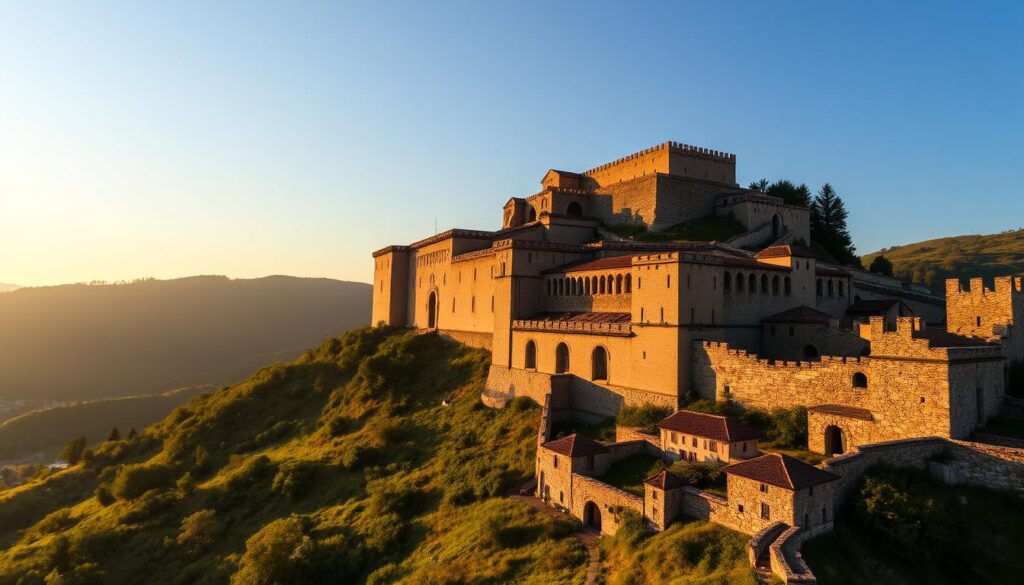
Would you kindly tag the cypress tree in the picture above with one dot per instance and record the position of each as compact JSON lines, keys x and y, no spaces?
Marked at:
{"x":115,"y":435}
{"x":828,"y":225}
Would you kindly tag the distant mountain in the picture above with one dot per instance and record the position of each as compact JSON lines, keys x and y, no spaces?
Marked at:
{"x":4,"y":287}
{"x":933,"y":261}
{"x":45,"y":431}
{"x":83,"y":342}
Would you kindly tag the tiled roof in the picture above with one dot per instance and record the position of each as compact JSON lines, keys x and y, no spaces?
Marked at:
{"x":871,"y":307}
{"x":784,"y":251}
{"x":780,"y":471}
{"x":595,"y":317}
{"x":665,"y":481}
{"x":599,"y":264}
{"x":576,"y":446}
{"x":941,"y":338}
{"x":800,"y":315}
{"x":712,"y":426}
{"x":844,"y":411}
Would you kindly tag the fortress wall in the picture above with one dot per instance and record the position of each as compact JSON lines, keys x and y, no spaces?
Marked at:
{"x":989,"y":313}
{"x":479,"y":339}
{"x":992,"y":466}
{"x":907,"y":398}
{"x":635,"y":434}
{"x":782,"y":341}
{"x":514,"y":382}
{"x":606,"y":497}
{"x":756,"y":212}
{"x":391,"y":287}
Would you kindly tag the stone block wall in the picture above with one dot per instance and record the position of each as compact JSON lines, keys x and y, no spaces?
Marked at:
{"x":471,"y":338}
{"x":784,"y":341}
{"x":623,"y":433}
{"x":606,"y":497}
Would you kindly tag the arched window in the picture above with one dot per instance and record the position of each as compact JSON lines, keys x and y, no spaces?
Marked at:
{"x":775,"y":285}
{"x":604,"y":284}
{"x":574,"y":208}
{"x":618,"y":284}
{"x":789,"y":286}
{"x":764,"y":284}
{"x":532,"y":215}
{"x":586,"y":286}
{"x":842,"y":292}
{"x":811,"y":352}
{"x":860,"y":380}
{"x":727,"y":281}
{"x":530,"y":359}
{"x":599,"y":364}
{"x":561,"y":358}
{"x":739,"y":282}
{"x":593,"y":285}
{"x":752,"y":281}
{"x":831,"y":288}
{"x":817,"y":288}
{"x":629,"y":283}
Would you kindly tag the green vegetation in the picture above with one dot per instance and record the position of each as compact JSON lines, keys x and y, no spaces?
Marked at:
{"x":644,"y":416}
{"x":830,"y":237}
{"x":705,"y":475}
{"x":343,"y":466}
{"x":901,"y":526}
{"x":790,"y":193}
{"x":931,"y":262}
{"x":881,"y":265}
{"x":714,"y":227}
{"x":685,"y":554}
{"x":602,"y":431}
{"x":630,"y":472}
{"x":785,"y":428}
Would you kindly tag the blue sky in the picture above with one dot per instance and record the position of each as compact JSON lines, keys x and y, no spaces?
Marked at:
{"x":169,"y":139}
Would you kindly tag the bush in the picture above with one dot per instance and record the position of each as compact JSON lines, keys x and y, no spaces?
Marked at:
{"x":643,"y":416}
{"x":272,"y":554}
{"x":134,"y":480}
{"x":355,"y":457}
{"x":632,"y":526}
{"x":104,"y":496}
{"x":294,"y":479}
{"x":198,"y":532}
{"x":787,"y":427}
{"x":251,"y":472}
{"x":703,"y":474}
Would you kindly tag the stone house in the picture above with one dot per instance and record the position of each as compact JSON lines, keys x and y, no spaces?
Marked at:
{"x":696,"y":436}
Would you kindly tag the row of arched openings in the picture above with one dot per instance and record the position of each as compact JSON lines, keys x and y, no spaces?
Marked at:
{"x":749,"y":283}
{"x":598,"y":360}
{"x":610,"y":284}
{"x":830,"y":286}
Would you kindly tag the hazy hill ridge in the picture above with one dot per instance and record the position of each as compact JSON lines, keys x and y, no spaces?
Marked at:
{"x":932,"y":261}
{"x":4,"y":287}
{"x":80,"y":342}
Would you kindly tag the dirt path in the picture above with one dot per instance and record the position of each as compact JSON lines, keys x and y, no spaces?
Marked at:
{"x":587,"y":538}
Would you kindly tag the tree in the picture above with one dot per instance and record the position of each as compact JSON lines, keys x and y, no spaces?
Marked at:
{"x":790,"y":193}
{"x":828,"y":225}
{"x":761,"y":185}
{"x":132,"y":434}
{"x":881,"y":265}
{"x":73,"y":451}
{"x":199,"y":531}
{"x":115,"y":435}
{"x":271,"y":555}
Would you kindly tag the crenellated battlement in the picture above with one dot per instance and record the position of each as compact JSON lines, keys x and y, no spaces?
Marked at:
{"x":670,"y":145}
{"x":753,"y":359}
{"x":1002,"y":285}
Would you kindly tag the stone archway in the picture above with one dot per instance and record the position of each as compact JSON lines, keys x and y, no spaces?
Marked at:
{"x":432,"y":311}
{"x":811,"y":352}
{"x":833,"y":440}
{"x":562,"y":358}
{"x":592,"y":516}
{"x":574,"y":208}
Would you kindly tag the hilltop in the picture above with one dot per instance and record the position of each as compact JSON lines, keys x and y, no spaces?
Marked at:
{"x":83,"y":342}
{"x":932,"y":261}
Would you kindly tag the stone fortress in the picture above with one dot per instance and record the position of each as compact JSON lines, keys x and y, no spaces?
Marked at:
{"x":583,"y":321}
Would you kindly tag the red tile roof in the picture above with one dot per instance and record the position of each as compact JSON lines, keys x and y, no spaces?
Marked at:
{"x":805,"y":315}
{"x":614,"y":262}
{"x":780,"y":471}
{"x":784,"y":251}
{"x":665,"y":481}
{"x":711,"y":426}
{"x":576,"y":446}
{"x":844,"y":411}
{"x":591,"y":317}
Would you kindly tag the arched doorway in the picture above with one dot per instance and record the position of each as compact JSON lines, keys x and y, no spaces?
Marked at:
{"x":811,"y":352}
{"x":833,"y":440}
{"x":561,"y":358}
{"x":532,"y":215}
{"x":776,"y":226}
{"x":592,"y":516}
{"x":574,"y":208}
{"x":530,"y":362}
{"x":599,"y":364}
{"x":432,"y":311}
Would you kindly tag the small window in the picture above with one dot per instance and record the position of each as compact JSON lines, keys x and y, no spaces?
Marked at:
{"x":694,"y":443}
{"x":554,"y":461}
{"x":713,"y":446}
{"x":654,"y":495}
{"x":860,"y":380}
{"x":561,"y":497}
{"x":764,"y":488}
{"x":674,"y":438}
{"x":739,"y":508}
{"x":979,"y":321}
{"x":766,"y":512}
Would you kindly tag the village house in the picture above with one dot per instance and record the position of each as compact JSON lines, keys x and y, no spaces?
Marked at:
{"x":695,"y":436}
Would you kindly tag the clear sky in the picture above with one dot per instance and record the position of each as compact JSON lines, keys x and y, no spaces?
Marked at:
{"x":253,"y":138}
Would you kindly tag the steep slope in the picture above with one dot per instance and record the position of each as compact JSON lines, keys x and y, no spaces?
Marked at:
{"x":343,"y":466}
{"x":81,"y":342}
{"x":932,"y":261}
{"x":45,"y":431}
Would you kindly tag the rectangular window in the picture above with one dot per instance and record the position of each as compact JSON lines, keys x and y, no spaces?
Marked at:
{"x":764,"y":488}
{"x":713,"y":446}
{"x":554,"y":461}
{"x":694,"y":441}
{"x":654,"y":495}
{"x":561,"y":497}
{"x":739,"y":507}
{"x":673,"y":437}
{"x":668,"y":281}
{"x":766,"y":512}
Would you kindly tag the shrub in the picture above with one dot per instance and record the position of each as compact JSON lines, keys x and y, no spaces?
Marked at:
{"x":198,"y":531}
{"x":272,"y":553}
{"x":643,"y":416}
{"x":357,"y":456}
{"x":632,"y":527}
{"x":251,"y":472}
{"x":104,"y":496}
{"x":702,"y":474}
{"x":787,"y":427}
{"x":134,"y":480}
{"x":294,"y":479}
{"x":73,"y":451}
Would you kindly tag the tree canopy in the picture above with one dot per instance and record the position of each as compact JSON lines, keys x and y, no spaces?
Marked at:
{"x":828,"y":226}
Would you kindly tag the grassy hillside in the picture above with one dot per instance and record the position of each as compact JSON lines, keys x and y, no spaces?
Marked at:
{"x":931,"y":262}
{"x":705,"y":229}
{"x":901,"y":526}
{"x":82,"y":342}
{"x":45,"y":431}
{"x":341,"y":466}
